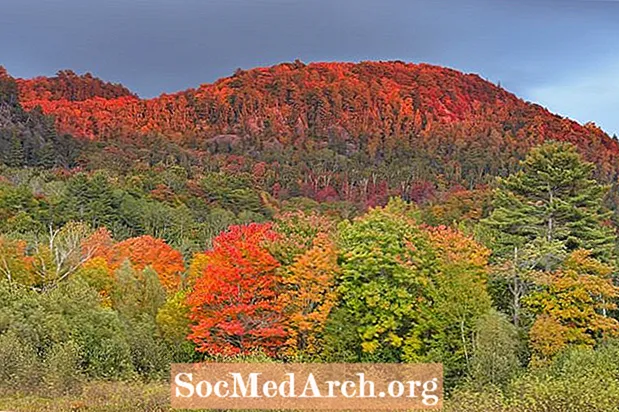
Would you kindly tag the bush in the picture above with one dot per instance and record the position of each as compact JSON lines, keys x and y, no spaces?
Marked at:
{"x":20,"y":371}
{"x":62,"y":373}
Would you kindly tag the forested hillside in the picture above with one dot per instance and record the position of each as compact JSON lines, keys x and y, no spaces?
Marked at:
{"x":372,"y":212}
{"x":437,"y":122}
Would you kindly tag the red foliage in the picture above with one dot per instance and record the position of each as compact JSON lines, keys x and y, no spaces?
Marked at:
{"x":234,"y":303}
{"x":376,"y":107}
{"x":146,"y":251}
{"x":67,"y":85}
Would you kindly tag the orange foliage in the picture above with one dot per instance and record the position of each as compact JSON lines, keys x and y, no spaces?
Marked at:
{"x":309,"y":295}
{"x":452,"y":246}
{"x":98,"y":244}
{"x":234,"y":306}
{"x":573,"y":306}
{"x":387,"y":104}
{"x":146,"y":251}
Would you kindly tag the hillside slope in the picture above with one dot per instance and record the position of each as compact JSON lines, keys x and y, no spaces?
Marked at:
{"x":459,"y":125}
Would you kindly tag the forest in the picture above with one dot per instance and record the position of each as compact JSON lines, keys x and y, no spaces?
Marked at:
{"x":371,"y":212}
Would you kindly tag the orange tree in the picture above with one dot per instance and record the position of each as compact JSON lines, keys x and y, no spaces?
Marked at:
{"x":572,"y":306}
{"x":309,"y":296}
{"x":233,"y":305}
{"x":146,"y":251}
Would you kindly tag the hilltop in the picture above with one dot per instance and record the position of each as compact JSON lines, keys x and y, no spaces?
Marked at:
{"x":398,"y":123}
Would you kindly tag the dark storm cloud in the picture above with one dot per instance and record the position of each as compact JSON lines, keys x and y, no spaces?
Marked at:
{"x":556,"y":52}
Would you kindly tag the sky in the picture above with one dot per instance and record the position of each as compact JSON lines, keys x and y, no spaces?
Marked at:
{"x":562,"y":54}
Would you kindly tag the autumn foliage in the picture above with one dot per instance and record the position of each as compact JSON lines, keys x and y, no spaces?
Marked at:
{"x":309,"y":295}
{"x":142,"y":252}
{"x":372,"y":107}
{"x":573,"y":306}
{"x":234,"y":303}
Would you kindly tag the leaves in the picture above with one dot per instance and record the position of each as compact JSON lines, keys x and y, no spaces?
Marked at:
{"x":573,"y":306}
{"x":146,"y":251}
{"x":234,"y":306}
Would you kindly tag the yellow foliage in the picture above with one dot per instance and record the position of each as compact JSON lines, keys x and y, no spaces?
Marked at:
{"x":572,"y":306}
{"x":309,"y":296}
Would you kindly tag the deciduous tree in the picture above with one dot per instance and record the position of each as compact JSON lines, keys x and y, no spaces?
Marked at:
{"x":234,"y":305}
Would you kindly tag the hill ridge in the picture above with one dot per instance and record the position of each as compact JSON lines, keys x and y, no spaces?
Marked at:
{"x":376,"y":108}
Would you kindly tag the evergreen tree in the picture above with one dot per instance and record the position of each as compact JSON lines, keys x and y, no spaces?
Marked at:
{"x":553,"y":199}
{"x":552,"y":206}
{"x":16,"y":155}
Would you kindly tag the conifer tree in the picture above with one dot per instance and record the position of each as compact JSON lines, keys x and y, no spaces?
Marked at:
{"x":548,"y":209}
{"x":553,"y":199}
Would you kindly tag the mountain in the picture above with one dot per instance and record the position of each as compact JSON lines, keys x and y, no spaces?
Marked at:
{"x":30,"y":138}
{"x":430,"y":123}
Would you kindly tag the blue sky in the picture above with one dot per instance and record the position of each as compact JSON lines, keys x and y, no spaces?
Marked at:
{"x":563,"y":54}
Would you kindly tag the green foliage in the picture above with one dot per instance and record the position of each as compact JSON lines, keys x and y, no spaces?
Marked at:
{"x":555,"y":199}
{"x":127,"y":291}
{"x":173,"y":319}
{"x":62,"y":369}
{"x":20,"y":368}
{"x":232,"y":192}
{"x":406,"y":292}
{"x":386,"y":265}
{"x":495,"y":358}
{"x":153,"y":294}
{"x":450,"y":316}
{"x":551,"y":207}
{"x":579,"y":380}
{"x":30,"y":138}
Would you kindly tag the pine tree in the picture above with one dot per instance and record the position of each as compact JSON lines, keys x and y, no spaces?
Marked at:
{"x":548,"y":209}
{"x":16,"y":155}
{"x":553,"y":200}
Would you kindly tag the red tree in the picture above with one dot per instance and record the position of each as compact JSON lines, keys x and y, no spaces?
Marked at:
{"x":234,"y":305}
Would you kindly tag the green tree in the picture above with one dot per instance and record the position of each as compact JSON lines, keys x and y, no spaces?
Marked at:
{"x":553,"y":198}
{"x":496,"y":351}
{"x":549,"y":208}
{"x":127,"y":291}
{"x":386,"y":265}
{"x":153,"y":294}
{"x":450,"y":316}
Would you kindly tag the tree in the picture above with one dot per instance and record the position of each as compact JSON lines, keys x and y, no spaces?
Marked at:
{"x":386,"y":265}
{"x":298,"y":231}
{"x":308,"y":296}
{"x":127,"y":293}
{"x":173,"y":319}
{"x":147,"y":251}
{"x":98,"y":275}
{"x":91,"y":200}
{"x":450,"y":316}
{"x":549,"y":208}
{"x":153,"y":294}
{"x":555,"y":199}
{"x":572,"y":306}
{"x":234,"y":306}
{"x":496,"y":350}
{"x":60,"y":253}
{"x":14,"y":265}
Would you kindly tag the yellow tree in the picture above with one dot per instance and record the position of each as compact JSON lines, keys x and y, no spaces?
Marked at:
{"x":14,"y":264}
{"x":309,"y":295}
{"x":572,"y":306}
{"x":97,"y":273}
